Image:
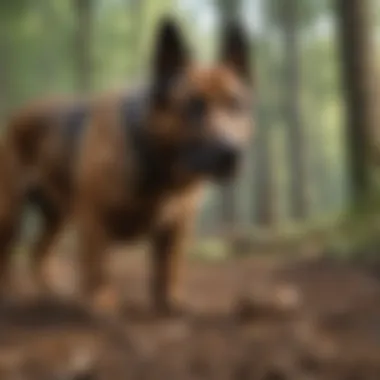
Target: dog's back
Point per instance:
(44, 137)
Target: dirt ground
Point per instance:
(252, 318)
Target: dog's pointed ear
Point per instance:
(171, 54)
(235, 50)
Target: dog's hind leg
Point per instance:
(41, 248)
(49, 208)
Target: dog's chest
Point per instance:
(142, 216)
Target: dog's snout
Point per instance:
(227, 158)
(215, 158)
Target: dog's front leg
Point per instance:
(168, 246)
(93, 243)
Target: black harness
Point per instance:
(134, 112)
(73, 125)
(153, 167)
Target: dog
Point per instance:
(130, 164)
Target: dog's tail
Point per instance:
(10, 205)
(17, 150)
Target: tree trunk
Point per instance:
(5, 50)
(47, 59)
(265, 205)
(296, 138)
(83, 41)
(265, 211)
(229, 9)
(354, 16)
(4, 78)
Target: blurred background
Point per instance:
(313, 155)
(309, 188)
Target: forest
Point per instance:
(288, 252)
(298, 171)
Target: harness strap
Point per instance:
(134, 111)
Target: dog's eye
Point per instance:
(196, 108)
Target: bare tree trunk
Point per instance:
(265, 204)
(83, 41)
(358, 77)
(229, 9)
(319, 164)
(296, 138)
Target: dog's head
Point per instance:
(202, 113)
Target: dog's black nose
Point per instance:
(228, 157)
(217, 159)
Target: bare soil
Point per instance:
(252, 318)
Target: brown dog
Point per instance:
(130, 165)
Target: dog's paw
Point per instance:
(173, 308)
(106, 301)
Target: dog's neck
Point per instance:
(154, 160)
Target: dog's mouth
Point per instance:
(215, 161)
(225, 175)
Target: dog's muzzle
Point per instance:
(217, 159)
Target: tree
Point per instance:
(267, 116)
(289, 18)
(4, 71)
(296, 138)
(83, 54)
(228, 9)
(264, 183)
(9, 12)
(358, 77)
(47, 59)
